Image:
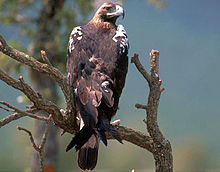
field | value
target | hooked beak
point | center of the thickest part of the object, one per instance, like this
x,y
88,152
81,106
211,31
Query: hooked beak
x,y
118,12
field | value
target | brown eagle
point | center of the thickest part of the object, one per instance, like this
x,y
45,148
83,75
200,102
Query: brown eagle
x,y
97,65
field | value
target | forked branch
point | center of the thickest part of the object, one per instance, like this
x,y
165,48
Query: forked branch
x,y
39,148
162,151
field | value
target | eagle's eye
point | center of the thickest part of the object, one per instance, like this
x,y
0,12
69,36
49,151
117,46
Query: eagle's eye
x,y
107,8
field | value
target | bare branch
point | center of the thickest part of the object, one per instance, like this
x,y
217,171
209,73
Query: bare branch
x,y
154,63
30,136
140,68
161,145
45,58
37,99
44,137
134,137
139,106
153,99
2,42
39,148
25,113
6,109
14,117
20,85
46,69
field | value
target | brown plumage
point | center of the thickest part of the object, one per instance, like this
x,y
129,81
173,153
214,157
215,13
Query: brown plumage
x,y
97,66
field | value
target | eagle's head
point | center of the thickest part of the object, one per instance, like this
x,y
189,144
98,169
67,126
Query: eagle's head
x,y
108,12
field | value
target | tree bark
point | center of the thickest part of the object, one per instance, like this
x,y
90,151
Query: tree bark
x,y
162,150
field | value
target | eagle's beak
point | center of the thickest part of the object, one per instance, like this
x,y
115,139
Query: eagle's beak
x,y
118,12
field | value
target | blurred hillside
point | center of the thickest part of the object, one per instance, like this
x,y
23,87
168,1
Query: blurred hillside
x,y
187,34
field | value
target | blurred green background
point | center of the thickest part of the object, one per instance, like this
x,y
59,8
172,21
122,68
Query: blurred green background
x,y
187,34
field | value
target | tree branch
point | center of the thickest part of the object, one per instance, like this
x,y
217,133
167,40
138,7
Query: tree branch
x,y
24,113
135,137
162,151
140,68
39,102
140,106
14,117
40,147
45,58
50,71
20,85
46,69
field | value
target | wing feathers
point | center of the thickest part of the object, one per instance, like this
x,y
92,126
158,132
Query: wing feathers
x,y
83,91
107,95
91,90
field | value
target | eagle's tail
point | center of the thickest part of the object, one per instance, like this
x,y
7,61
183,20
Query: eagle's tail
x,y
88,153
80,138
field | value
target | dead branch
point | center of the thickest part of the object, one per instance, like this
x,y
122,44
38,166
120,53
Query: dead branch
x,y
45,58
15,116
140,68
162,151
40,147
140,106
135,137
25,113
39,102
46,69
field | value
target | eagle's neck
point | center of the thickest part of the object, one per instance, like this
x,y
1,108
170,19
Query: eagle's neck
x,y
98,21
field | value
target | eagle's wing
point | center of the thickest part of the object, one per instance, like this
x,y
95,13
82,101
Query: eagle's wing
x,y
84,67
97,67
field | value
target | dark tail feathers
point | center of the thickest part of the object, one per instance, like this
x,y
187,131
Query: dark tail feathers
x,y
80,138
88,154
87,142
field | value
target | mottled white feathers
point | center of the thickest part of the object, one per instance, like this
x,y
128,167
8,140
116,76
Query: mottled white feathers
x,y
121,36
76,32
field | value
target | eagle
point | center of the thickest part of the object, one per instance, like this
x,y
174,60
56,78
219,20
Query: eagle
x,y
97,64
